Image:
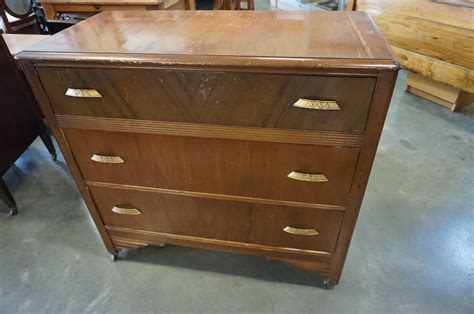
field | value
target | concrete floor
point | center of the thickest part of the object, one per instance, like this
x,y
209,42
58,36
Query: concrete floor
x,y
412,251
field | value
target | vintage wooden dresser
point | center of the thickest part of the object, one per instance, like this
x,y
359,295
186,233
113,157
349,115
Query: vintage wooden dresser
x,y
249,132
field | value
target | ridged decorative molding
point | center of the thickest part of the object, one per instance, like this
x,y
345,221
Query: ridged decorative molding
x,y
211,131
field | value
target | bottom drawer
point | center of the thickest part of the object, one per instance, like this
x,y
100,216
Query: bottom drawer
x,y
268,225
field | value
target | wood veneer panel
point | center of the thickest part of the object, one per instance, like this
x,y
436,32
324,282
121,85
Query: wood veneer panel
x,y
245,168
238,99
218,219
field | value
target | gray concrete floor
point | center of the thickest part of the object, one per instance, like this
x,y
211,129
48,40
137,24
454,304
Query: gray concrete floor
x,y
412,251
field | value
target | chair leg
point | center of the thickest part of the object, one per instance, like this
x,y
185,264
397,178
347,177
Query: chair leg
x,y
7,197
250,5
48,142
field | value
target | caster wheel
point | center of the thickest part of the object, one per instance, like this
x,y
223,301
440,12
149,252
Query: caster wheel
x,y
13,211
328,285
114,257
54,157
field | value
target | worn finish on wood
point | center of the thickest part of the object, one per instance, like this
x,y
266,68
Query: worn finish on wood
x,y
211,171
212,98
261,34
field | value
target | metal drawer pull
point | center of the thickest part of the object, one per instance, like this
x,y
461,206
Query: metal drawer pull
x,y
130,211
301,231
317,104
307,177
107,159
83,93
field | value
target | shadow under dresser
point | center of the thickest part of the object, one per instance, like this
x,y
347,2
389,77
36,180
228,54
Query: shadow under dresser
x,y
250,132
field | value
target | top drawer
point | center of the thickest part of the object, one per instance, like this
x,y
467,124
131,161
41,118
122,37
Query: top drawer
x,y
238,99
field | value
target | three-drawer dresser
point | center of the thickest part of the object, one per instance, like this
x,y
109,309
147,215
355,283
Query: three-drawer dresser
x,y
250,132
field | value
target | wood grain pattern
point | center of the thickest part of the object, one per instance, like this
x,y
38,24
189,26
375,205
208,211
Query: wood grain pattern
x,y
423,9
211,131
439,71
432,39
221,220
253,169
259,34
209,171
239,99
448,43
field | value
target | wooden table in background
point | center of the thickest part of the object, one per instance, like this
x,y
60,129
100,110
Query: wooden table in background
x,y
53,7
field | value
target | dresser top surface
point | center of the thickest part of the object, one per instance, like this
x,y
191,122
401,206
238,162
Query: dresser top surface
x,y
219,34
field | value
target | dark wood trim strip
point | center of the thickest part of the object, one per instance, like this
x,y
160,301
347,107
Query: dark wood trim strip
x,y
378,112
158,238
326,72
44,103
229,62
211,131
215,196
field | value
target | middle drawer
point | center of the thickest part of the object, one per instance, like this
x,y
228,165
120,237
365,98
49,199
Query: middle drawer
x,y
291,172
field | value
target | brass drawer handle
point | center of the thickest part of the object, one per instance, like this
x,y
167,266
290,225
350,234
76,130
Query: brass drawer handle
x,y
317,104
130,211
301,231
107,159
83,93
307,177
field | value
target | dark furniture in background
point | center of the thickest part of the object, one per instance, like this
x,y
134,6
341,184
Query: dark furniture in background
x,y
27,21
20,119
256,137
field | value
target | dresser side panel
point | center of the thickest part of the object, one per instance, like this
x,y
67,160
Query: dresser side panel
x,y
378,112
